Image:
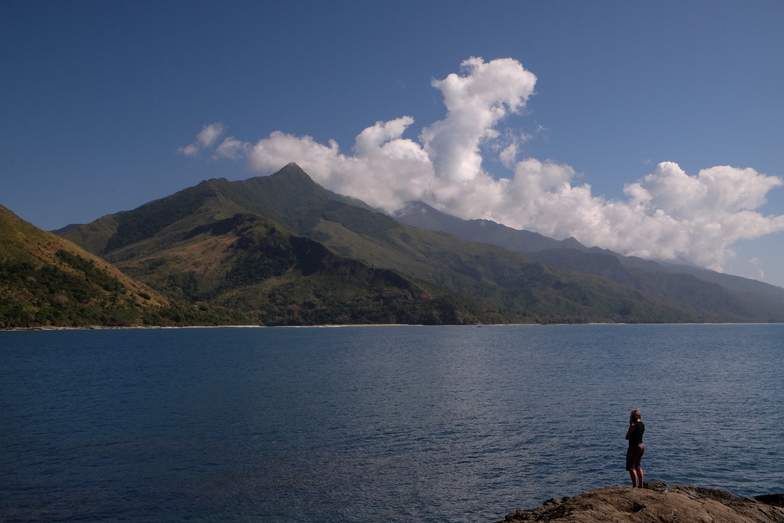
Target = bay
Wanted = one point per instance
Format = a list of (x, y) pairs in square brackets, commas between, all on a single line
[(432, 424)]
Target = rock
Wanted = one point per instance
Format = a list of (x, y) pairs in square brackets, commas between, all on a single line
[(772, 499), (657, 502)]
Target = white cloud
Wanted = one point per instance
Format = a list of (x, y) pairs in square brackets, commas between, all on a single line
[(189, 150), (205, 139), (508, 146), (209, 134), (232, 148), (668, 214), (475, 102)]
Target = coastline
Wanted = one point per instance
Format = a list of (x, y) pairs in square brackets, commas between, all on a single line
[(329, 326)]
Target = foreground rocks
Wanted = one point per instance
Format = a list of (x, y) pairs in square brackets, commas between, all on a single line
[(657, 502)]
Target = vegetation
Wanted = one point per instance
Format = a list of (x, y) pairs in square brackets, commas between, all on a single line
[(335, 266), (250, 264), (718, 295), (46, 282), (53, 295), (281, 250), (717, 302)]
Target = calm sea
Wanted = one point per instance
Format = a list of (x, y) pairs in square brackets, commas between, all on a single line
[(357, 424)]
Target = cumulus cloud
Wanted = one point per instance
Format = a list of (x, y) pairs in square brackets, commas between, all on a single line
[(233, 149), (667, 215), (205, 139), (475, 102)]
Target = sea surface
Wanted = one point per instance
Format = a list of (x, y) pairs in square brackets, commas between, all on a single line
[(359, 424)]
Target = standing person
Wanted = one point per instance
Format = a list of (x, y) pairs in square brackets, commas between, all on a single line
[(636, 447)]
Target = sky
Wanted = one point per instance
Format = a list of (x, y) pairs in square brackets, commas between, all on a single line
[(654, 129)]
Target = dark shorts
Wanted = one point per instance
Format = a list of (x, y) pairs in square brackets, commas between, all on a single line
[(634, 456)]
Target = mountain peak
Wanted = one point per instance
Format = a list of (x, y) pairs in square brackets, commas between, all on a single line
[(293, 170)]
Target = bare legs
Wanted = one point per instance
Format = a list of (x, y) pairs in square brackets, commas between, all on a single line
[(637, 477), (634, 464)]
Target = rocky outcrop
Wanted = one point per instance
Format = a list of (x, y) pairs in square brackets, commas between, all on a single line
[(657, 502)]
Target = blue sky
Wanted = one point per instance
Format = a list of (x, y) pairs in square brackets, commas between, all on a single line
[(610, 121)]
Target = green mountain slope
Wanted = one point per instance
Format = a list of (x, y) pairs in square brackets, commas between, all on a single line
[(484, 281), (746, 303), (729, 297), (46, 280), (251, 264)]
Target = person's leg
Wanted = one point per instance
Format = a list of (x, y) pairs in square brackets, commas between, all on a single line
[(633, 463), (640, 473)]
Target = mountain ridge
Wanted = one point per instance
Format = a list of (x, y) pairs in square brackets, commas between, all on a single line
[(420, 214), (275, 277), (546, 250), (495, 284)]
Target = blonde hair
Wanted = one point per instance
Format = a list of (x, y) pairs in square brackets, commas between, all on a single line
[(635, 415)]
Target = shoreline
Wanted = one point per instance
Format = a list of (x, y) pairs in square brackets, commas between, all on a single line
[(328, 326)]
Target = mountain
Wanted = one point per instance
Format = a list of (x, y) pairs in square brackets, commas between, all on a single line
[(194, 242), (46, 280), (732, 297), (249, 263), (203, 245), (419, 214)]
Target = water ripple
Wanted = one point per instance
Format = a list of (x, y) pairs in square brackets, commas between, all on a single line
[(388, 423)]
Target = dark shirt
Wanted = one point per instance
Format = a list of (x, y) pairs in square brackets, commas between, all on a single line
[(635, 438)]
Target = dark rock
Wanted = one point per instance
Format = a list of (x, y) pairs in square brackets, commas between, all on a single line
[(777, 500)]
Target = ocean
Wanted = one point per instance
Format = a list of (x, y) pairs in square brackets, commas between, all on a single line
[(383, 423)]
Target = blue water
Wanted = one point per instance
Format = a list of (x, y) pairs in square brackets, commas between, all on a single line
[(356, 424)]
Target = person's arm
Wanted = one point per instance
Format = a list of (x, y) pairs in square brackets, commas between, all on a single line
[(631, 430)]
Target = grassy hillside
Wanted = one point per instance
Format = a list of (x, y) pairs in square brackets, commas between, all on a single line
[(46, 280)]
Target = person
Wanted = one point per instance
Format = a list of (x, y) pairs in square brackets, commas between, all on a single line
[(636, 447)]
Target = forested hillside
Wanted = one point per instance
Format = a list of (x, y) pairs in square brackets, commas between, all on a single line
[(194, 244), (47, 281)]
